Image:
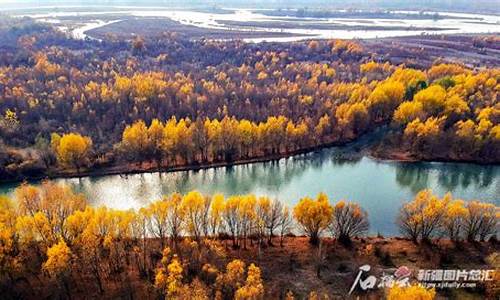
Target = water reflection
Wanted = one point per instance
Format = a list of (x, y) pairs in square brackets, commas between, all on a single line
[(380, 187), (412, 176), (450, 176)]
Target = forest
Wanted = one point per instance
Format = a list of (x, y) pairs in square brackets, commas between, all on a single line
[(70, 107), (193, 246), (113, 105)]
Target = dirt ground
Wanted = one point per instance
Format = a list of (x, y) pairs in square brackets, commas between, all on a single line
[(294, 267)]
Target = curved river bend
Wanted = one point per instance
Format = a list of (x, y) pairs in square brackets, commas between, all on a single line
[(379, 186), (449, 23)]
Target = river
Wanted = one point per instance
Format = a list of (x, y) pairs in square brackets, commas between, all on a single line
[(87, 18), (380, 187)]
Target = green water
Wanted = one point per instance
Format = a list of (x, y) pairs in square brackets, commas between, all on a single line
[(380, 187)]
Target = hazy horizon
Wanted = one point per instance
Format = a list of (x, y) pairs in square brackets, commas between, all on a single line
[(459, 5)]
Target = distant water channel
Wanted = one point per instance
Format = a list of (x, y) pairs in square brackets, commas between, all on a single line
[(379, 186), (297, 28)]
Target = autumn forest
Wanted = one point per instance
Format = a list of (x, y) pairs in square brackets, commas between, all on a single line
[(74, 105), (71, 108), (187, 246)]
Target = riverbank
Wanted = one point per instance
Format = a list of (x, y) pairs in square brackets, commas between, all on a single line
[(125, 168), (399, 154), (366, 145)]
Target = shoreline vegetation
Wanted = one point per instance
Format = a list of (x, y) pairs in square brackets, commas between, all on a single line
[(384, 155), (195, 246), (168, 102)]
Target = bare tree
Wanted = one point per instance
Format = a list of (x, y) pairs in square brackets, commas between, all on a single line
[(273, 218), (349, 220), (285, 223)]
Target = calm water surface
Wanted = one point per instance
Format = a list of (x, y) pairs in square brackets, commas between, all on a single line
[(379, 186)]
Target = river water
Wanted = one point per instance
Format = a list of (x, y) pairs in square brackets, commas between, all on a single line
[(379, 186), (450, 23)]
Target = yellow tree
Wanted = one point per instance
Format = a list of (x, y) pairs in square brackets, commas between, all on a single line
[(432, 98), (183, 145), (455, 106), (215, 214), (231, 217), (385, 98), (95, 241), (47, 209), (196, 290), (247, 216), (247, 134), (231, 140), (195, 208), (135, 141), (262, 213), (442, 70), (229, 282), (215, 137), (58, 263), (410, 78), (322, 129), (424, 216), (467, 141), (253, 288), (174, 279), (481, 221), (28, 198), (58, 202), (424, 136), (408, 111), (168, 277), (140, 233), (415, 292), (454, 221), (170, 138), (58, 259), (158, 213), (353, 118), (155, 135), (200, 138), (74, 150), (274, 133), (314, 216), (9, 262), (166, 218)]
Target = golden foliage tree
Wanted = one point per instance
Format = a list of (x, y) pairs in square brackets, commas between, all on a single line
[(253, 288), (135, 140), (195, 208), (58, 259), (481, 220), (415, 292), (314, 216), (73, 150), (424, 216), (454, 219)]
